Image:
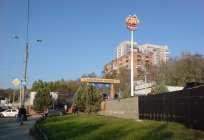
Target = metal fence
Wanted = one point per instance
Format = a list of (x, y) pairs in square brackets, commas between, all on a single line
[(40, 135), (185, 107)]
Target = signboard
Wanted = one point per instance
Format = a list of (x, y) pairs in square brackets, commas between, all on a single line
[(99, 80), (132, 22), (100, 85), (16, 82)]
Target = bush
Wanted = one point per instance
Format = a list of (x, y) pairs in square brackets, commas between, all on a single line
[(160, 88)]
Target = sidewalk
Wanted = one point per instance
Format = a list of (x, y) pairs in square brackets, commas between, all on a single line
[(11, 130)]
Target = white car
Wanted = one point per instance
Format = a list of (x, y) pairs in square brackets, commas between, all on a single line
[(9, 113)]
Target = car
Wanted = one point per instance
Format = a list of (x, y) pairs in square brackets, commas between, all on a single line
[(54, 112), (9, 113), (191, 85), (2, 109)]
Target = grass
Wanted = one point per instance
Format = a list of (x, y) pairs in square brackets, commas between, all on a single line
[(94, 127)]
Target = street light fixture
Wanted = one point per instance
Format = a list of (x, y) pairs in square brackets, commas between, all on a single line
[(23, 82)]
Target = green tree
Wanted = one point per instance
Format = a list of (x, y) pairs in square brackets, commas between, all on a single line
[(79, 97), (88, 98), (43, 98)]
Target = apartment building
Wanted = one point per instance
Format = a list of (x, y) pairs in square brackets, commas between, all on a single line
[(125, 47), (161, 53), (140, 62), (144, 56)]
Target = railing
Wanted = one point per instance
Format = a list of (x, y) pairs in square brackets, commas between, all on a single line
[(39, 134)]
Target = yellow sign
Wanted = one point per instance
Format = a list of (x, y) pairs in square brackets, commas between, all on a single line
[(16, 82), (99, 80)]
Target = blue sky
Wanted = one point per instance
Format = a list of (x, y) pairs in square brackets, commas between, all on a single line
[(79, 37)]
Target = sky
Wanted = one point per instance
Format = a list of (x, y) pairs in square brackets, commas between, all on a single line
[(79, 37)]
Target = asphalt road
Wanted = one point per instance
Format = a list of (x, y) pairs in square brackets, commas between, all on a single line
[(11, 130)]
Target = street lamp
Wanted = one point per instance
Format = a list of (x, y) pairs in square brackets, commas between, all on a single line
[(132, 22), (23, 82)]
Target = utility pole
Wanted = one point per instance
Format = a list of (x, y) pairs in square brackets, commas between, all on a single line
[(25, 73), (24, 81)]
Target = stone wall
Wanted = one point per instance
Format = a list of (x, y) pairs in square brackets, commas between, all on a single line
[(122, 108)]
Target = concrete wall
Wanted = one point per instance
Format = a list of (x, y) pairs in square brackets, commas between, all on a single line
[(122, 108), (174, 88)]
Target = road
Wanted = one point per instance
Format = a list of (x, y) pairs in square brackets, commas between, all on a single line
[(11, 130)]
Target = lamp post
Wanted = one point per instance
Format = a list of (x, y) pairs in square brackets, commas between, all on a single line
[(132, 22), (23, 82)]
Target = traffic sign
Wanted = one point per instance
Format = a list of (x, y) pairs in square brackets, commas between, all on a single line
[(16, 82), (23, 82)]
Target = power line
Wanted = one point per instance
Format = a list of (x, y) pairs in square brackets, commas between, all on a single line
[(12, 63), (5, 66)]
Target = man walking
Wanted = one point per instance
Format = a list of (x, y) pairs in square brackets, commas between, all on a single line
[(22, 114), (75, 109)]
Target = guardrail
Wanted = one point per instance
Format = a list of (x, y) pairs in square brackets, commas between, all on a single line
[(40, 134)]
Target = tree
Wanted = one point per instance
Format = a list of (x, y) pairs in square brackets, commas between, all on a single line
[(37, 85), (90, 75), (79, 98), (123, 75), (43, 98), (126, 93), (88, 98), (110, 75), (178, 71)]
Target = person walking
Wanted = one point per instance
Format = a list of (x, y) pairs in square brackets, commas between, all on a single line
[(22, 114), (46, 111), (65, 108), (75, 109)]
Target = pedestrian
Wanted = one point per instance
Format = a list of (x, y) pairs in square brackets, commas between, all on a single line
[(18, 118), (22, 114), (65, 108), (75, 109), (46, 111)]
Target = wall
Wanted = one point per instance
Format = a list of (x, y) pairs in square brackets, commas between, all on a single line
[(174, 88), (32, 97), (122, 108)]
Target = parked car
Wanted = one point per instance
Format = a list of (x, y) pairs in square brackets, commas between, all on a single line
[(2, 109), (191, 85), (9, 113), (54, 112)]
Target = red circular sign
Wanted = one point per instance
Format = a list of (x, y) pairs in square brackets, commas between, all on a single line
[(132, 22)]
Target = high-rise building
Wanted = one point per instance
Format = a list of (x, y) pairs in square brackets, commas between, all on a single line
[(144, 56), (124, 47), (160, 53)]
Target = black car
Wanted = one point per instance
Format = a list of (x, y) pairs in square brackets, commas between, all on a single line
[(54, 112), (191, 85), (2, 109)]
